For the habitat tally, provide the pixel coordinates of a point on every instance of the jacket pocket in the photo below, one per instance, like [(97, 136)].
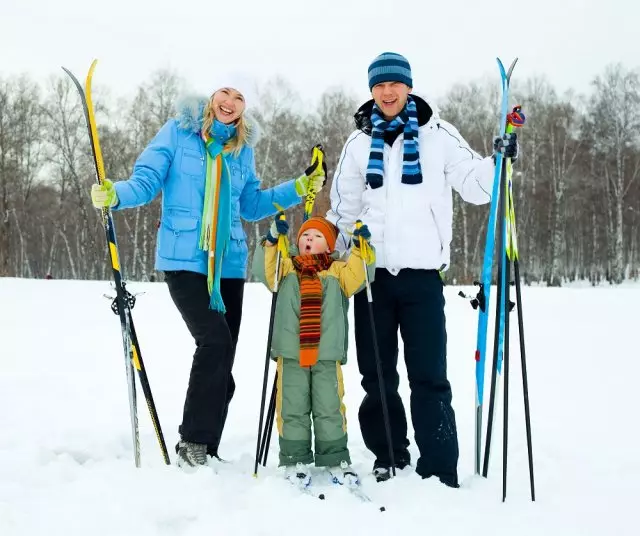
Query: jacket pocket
[(237, 176), (238, 249), (192, 163), (179, 238)]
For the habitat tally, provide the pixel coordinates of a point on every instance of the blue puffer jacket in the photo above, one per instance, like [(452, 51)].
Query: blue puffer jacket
[(174, 162)]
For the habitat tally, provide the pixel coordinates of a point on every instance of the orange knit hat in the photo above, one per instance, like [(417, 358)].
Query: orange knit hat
[(328, 230)]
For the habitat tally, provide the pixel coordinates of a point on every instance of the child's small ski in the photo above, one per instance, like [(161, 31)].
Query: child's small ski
[(357, 491), (313, 493), (301, 480), (308, 490)]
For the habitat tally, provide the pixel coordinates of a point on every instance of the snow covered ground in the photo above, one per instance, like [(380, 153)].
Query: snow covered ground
[(65, 449)]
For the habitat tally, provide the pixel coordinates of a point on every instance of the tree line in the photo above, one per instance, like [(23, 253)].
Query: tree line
[(576, 194)]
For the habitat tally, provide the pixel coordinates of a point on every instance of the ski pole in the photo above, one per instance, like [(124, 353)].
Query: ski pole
[(517, 119), (266, 436), (367, 255), (282, 246)]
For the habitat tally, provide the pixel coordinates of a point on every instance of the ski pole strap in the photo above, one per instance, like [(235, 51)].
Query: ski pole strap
[(316, 154), (515, 119), (512, 240)]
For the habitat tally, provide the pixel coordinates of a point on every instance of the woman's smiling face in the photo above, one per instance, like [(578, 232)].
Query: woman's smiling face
[(228, 105)]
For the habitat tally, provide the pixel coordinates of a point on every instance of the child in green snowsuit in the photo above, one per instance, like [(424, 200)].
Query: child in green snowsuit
[(310, 343)]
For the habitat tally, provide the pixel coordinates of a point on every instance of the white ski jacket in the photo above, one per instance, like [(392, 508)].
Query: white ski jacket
[(410, 224)]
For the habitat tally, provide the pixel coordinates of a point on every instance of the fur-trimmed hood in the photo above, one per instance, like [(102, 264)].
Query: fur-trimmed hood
[(190, 108)]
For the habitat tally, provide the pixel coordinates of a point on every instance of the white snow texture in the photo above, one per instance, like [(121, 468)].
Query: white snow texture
[(66, 463)]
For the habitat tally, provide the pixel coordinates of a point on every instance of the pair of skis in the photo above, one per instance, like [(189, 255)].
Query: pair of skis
[(502, 212), (124, 301), (355, 491)]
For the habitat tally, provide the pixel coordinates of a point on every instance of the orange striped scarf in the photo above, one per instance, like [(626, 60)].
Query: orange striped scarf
[(308, 267)]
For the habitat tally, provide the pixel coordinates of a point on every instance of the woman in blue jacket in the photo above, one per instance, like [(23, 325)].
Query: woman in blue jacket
[(203, 162)]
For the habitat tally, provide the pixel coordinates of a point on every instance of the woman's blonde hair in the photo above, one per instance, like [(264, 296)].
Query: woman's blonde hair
[(235, 144)]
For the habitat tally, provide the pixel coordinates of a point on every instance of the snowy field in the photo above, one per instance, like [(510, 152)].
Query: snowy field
[(66, 464)]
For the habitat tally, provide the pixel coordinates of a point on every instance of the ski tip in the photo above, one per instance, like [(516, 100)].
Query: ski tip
[(506, 73), (511, 67), (503, 73), (90, 73)]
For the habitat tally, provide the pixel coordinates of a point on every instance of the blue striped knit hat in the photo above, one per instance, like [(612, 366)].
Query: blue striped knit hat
[(390, 67)]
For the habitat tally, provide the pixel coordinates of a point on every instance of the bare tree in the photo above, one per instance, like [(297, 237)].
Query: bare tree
[(473, 109), (554, 134), (331, 125), (614, 123), (70, 161), (575, 183), (152, 106), (20, 161), (7, 176)]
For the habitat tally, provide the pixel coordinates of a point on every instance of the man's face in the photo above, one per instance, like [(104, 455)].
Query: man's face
[(390, 98)]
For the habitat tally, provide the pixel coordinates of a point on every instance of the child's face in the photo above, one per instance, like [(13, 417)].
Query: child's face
[(312, 242)]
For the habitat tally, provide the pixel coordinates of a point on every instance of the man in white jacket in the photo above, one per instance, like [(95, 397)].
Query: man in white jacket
[(396, 173)]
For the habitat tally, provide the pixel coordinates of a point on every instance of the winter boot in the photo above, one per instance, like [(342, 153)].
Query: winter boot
[(344, 475), (382, 471), (298, 475), (382, 474), (191, 455)]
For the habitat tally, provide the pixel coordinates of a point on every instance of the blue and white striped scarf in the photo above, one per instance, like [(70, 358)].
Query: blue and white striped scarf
[(411, 172)]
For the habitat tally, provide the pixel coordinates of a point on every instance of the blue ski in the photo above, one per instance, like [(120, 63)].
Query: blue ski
[(483, 297)]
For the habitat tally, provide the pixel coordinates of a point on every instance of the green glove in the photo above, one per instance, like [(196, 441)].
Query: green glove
[(104, 195), (313, 179)]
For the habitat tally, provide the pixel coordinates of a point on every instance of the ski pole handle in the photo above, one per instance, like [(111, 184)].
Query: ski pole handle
[(365, 252), (283, 249), (515, 119), (310, 199)]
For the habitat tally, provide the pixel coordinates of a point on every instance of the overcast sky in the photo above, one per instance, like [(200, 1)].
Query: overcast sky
[(317, 44)]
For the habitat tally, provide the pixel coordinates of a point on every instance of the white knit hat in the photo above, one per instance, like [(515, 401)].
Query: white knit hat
[(241, 82)]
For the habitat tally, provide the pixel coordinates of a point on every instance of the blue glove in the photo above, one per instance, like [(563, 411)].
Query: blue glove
[(361, 232), (278, 227), (507, 145)]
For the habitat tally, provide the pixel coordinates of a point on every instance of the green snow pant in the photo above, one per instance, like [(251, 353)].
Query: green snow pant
[(303, 392)]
